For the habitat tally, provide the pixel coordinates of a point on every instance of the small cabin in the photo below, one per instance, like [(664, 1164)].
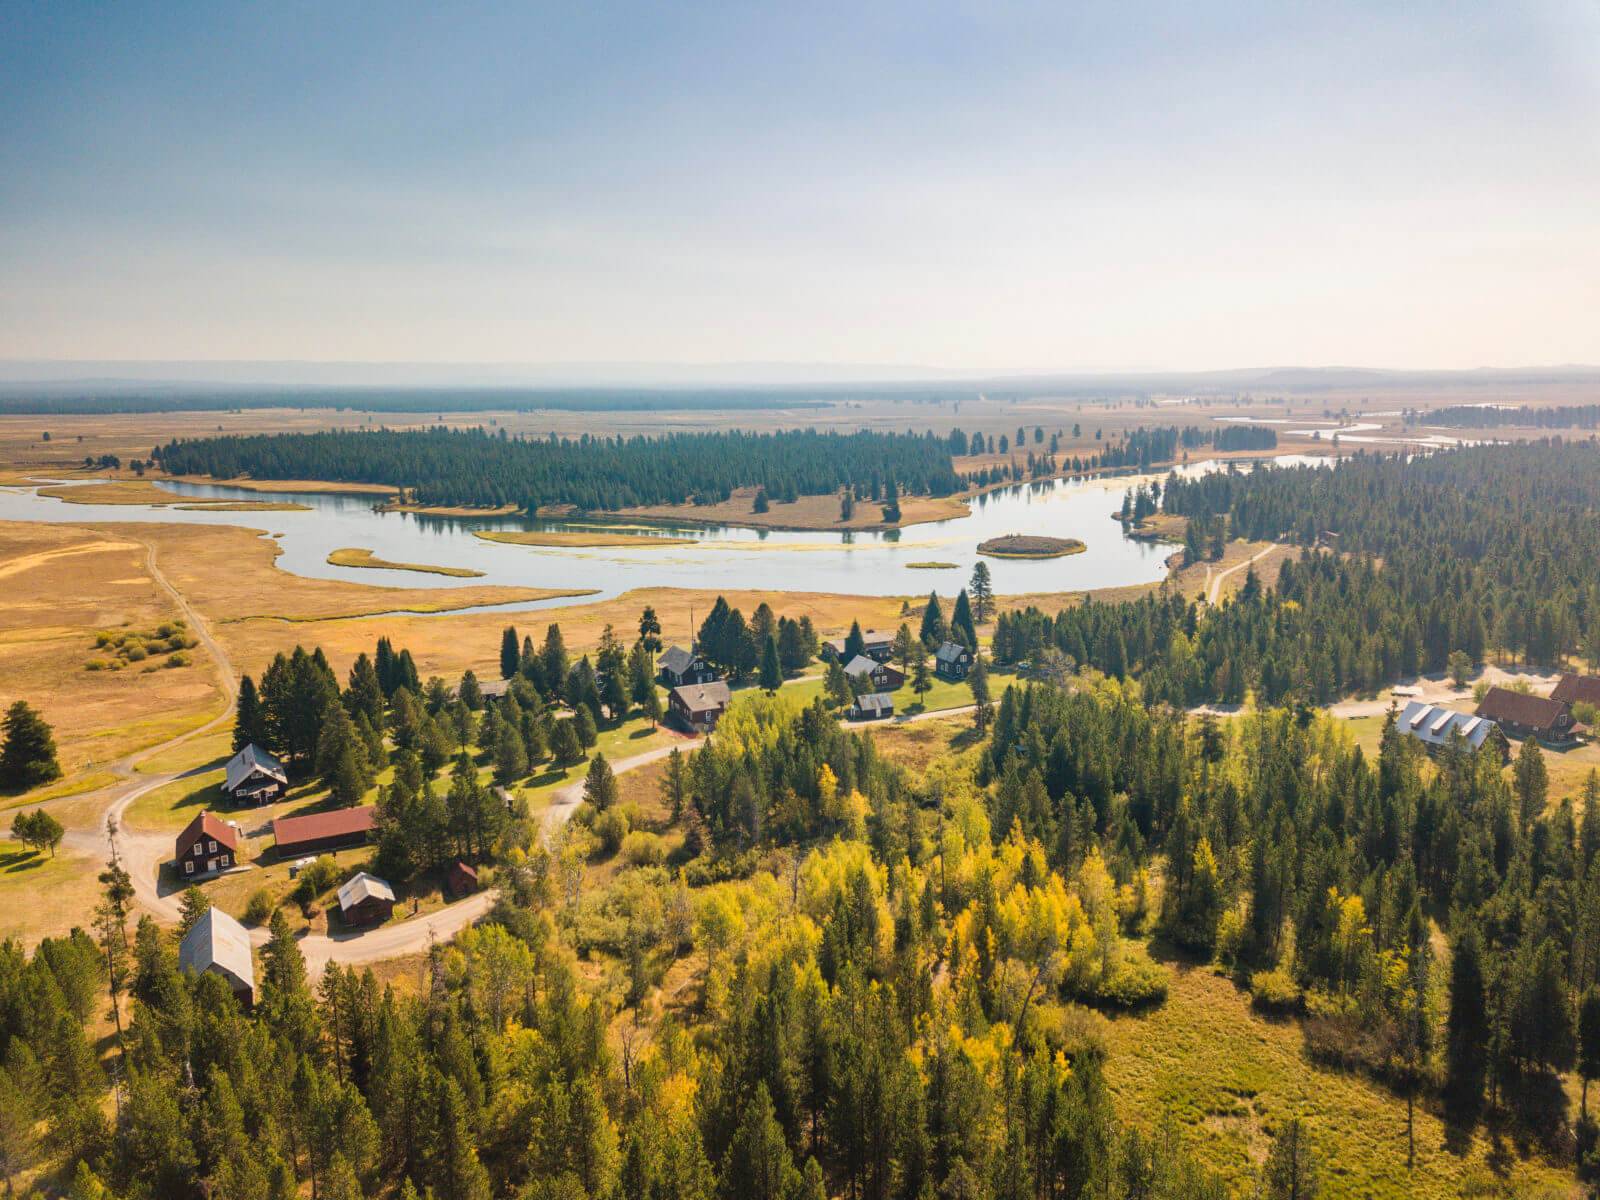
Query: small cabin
[(952, 660), (207, 846), (875, 644), (699, 706), (881, 676), (365, 900), (1578, 689), (678, 667), (254, 777), (873, 706), (461, 879), (219, 944)]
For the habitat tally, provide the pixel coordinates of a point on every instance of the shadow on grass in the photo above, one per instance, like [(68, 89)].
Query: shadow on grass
[(21, 860)]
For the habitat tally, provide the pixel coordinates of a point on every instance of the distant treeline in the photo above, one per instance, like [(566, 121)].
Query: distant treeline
[(1490, 549), (1246, 437), (474, 467), (1472, 416)]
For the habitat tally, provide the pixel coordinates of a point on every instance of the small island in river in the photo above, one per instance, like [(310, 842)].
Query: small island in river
[(1029, 545)]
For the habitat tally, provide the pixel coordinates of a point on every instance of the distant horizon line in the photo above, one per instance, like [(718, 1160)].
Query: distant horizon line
[(356, 375)]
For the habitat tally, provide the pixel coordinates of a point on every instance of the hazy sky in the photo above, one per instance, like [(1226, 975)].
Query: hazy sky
[(981, 185)]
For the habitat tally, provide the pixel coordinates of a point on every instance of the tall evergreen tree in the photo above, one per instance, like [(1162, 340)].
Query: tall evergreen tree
[(27, 750), (510, 652), (247, 716)]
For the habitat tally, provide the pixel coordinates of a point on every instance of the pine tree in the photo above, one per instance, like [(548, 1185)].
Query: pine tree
[(510, 652), (28, 752), (650, 631), (600, 785), (921, 682), (194, 905), (961, 627), (675, 784), (564, 744), (1588, 1043), (771, 669), (855, 643), (933, 627), (1531, 781), (511, 754), (982, 589), (247, 716), (1291, 1168)]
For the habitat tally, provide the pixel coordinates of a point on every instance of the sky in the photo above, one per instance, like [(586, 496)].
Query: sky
[(982, 186)]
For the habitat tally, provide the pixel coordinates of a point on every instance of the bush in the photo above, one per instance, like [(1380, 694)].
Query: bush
[(259, 910), (315, 879), (177, 660), (644, 849), (1230, 937), (1274, 991), (1586, 713), (135, 652), (611, 827), (1134, 982)]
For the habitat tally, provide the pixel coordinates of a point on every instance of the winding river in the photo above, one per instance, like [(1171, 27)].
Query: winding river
[(728, 557)]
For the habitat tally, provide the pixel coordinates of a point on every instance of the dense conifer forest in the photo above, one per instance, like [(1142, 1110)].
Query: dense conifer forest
[(1492, 416), (1490, 550), (475, 467)]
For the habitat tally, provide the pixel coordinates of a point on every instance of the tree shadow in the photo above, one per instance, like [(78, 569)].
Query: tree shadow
[(21, 860)]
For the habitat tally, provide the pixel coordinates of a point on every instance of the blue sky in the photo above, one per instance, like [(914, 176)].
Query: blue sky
[(987, 186)]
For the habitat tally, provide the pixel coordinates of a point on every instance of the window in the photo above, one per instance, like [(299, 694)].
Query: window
[(198, 849), (188, 868), (223, 861), (212, 847)]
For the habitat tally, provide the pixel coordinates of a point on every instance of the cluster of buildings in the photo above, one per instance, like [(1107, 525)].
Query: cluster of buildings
[(1504, 713)]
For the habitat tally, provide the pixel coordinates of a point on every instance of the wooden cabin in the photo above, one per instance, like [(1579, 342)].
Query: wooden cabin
[(460, 880), (208, 845), (365, 900), (254, 777), (952, 661), (678, 667), (873, 706), (699, 706), (1522, 714), (881, 676), (219, 944)]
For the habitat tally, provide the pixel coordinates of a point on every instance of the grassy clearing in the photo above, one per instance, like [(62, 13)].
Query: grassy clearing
[(214, 748), (1230, 1077), (352, 556), (932, 566), (591, 538), (805, 513), (41, 896)]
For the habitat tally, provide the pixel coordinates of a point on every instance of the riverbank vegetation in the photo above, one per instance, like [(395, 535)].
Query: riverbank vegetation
[(590, 538), (355, 557), (1025, 545)]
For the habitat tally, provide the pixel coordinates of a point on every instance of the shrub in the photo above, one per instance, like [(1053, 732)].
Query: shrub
[(1134, 982), (611, 827), (1230, 937), (1586, 713), (135, 652), (177, 660), (1274, 991), (644, 849), (316, 878), (259, 910)]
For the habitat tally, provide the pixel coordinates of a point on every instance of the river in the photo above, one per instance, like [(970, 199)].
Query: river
[(721, 557)]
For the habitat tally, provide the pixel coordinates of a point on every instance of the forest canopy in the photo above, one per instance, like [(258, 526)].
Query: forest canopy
[(475, 467)]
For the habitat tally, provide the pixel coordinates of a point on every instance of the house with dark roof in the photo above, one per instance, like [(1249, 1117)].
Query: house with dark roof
[(365, 900), (219, 944), (1578, 689), (254, 777), (1522, 714), (699, 706), (875, 644), (677, 667), (321, 831), (207, 846), (1433, 725), (881, 676), (872, 706), (952, 660)]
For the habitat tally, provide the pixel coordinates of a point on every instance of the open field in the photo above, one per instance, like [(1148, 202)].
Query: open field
[(355, 557), (1231, 1077), (590, 538), (63, 584), (44, 895)]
